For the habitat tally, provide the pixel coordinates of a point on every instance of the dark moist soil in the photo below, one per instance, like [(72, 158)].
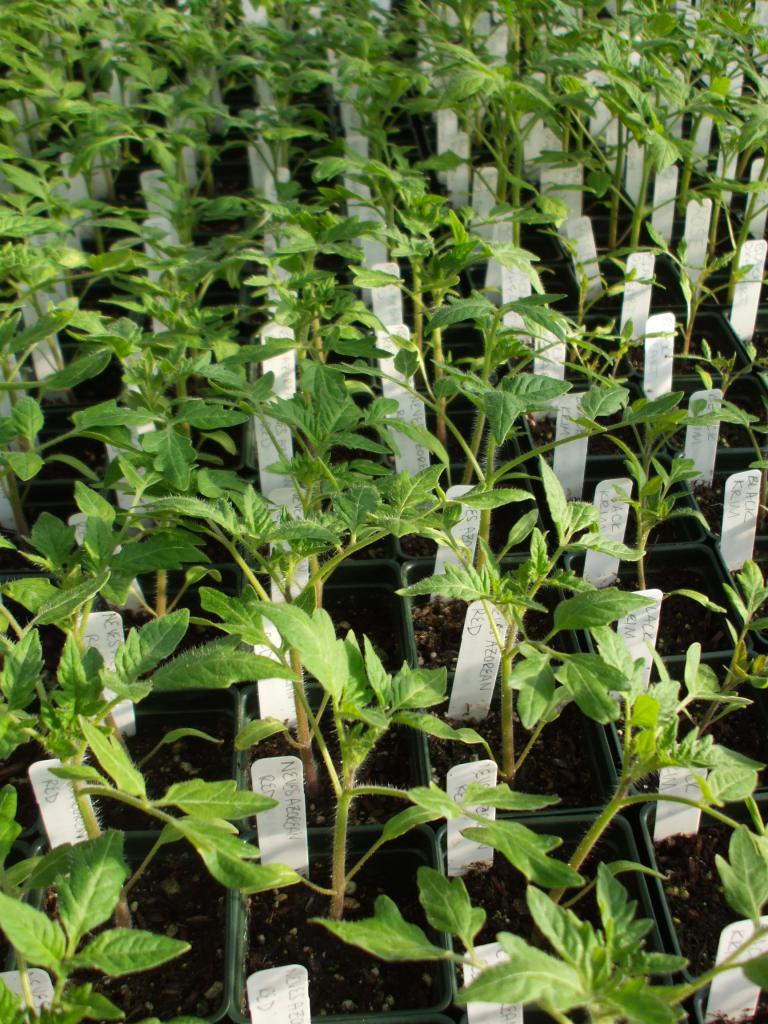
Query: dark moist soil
[(543, 432), (683, 621), (369, 611), (759, 1017), (559, 762), (178, 898), (343, 979), (438, 627), (709, 498), (694, 893), (389, 764), (186, 759)]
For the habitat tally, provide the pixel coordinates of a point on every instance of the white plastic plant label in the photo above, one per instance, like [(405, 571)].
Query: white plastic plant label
[(727, 169), (698, 214), (701, 441), (746, 294), (287, 498), (464, 532), (463, 852), (260, 166), (633, 170), (600, 569), (274, 439), (664, 196), (672, 818), (514, 285), (279, 996), (641, 628), (283, 829), (387, 299), (393, 379), (659, 354), (254, 14), (485, 183), (603, 125), (570, 458), (105, 632), (40, 985), (7, 516), (61, 816), (276, 696), (636, 303), (549, 360), (411, 457), (565, 184), (741, 505), (447, 130), (539, 139), (154, 191), (478, 663), (47, 357), (490, 1013), (502, 234), (759, 200), (732, 996), (579, 232), (457, 179)]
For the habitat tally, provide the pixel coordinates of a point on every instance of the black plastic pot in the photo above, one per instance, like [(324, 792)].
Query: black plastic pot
[(399, 860)]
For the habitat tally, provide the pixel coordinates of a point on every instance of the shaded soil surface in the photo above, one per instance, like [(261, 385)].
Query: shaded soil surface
[(342, 978), (372, 611), (193, 983), (185, 759), (692, 887), (438, 627), (561, 762), (391, 763), (683, 621), (709, 498)]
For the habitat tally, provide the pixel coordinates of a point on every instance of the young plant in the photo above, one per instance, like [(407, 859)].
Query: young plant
[(360, 703)]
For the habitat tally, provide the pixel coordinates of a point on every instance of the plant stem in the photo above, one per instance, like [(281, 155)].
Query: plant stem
[(339, 863), (303, 734), (507, 720)]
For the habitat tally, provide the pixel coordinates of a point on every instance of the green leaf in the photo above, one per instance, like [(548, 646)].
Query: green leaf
[(122, 951), (25, 465), (32, 933), (216, 666), (258, 730), (433, 726), (228, 858), (90, 891), (146, 647), (114, 760), (27, 418), (745, 874), (461, 311), (597, 608), (496, 498), (214, 799), (386, 935), (11, 1011), (447, 905), (527, 851), (557, 502), (92, 504), (66, 601), (314, 637), (402, 822), (174, 455), (757, 971), (22, 671), (590, 681), (530, 976)]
